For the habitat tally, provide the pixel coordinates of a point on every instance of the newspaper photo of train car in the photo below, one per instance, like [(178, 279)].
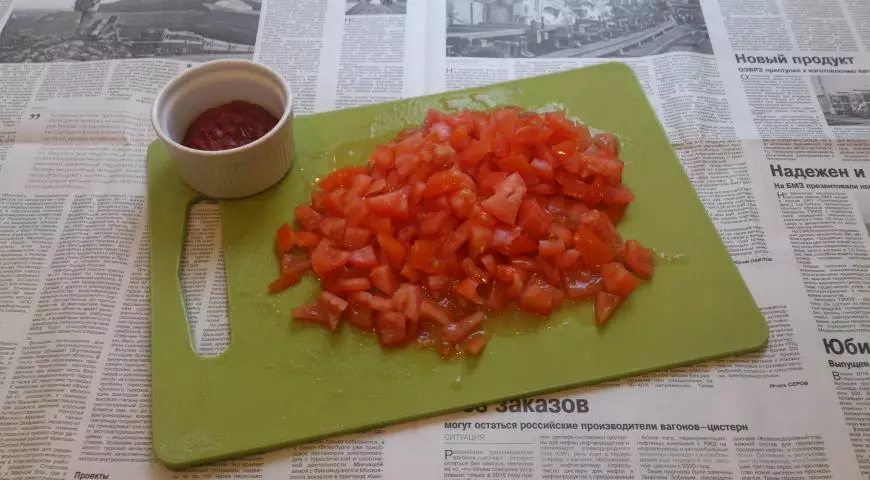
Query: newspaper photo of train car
[(574, 28), (67, 30)]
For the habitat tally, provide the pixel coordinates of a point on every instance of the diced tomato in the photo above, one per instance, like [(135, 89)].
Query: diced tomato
[(582, 285), (325, 258), (364, 257), (381, 304), (551, 248), (355, 238), (360, 315), (285, 239), (333, 202), (437, 283), (307, 218), (618, 280), (606, 143), (409, 273), (519, 245), (461, 202), (593, 249), (540, 297), (357, 284), (475, 151), (340, 178), (434, 222), (453, 241), (442, 183), (479, 238), (639, 259), (568, 260), (307, 239), (467, 288), (384, 279), (617, 195), (382, 157), (455, 332), (470, 210), (333, 229), (605, 305), (472, 270), (424, 256), (476, 344), (308, 313), (393, 204), (294, 264), (534, 219), (601, 225), (394, 249), (390, 327), (505, 203), (489, 263), (407, 299), (331, 308)]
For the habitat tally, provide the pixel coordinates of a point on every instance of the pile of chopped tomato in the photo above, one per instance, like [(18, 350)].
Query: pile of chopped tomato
[(466, 214)]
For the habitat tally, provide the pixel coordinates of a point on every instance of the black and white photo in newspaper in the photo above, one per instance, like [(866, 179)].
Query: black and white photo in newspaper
[(574, 28), (81, 30)]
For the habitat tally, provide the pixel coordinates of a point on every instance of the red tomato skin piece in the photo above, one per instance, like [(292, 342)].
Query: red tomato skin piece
[(605, 304), (340, 178)]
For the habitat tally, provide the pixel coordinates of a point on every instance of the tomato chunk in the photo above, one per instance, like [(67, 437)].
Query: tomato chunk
[(639, 259), (605, 305), (618, 280)]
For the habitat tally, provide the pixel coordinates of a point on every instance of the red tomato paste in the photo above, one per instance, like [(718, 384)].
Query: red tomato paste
[(229, 126)]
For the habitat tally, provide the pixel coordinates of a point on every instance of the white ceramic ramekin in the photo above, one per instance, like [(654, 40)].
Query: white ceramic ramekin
[(237, 172)]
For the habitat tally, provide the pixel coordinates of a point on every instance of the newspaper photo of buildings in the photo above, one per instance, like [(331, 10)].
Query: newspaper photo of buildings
[(574, 28), (376, 7), (845, 99), (70, 30)]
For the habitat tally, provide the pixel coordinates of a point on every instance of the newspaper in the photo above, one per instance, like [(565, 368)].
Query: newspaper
[(765, 102)]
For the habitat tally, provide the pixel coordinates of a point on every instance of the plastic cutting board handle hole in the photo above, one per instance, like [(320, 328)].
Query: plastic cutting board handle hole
[(202, 276)]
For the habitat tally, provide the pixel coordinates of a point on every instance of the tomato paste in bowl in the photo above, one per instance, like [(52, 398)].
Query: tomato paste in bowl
[(227, 126)]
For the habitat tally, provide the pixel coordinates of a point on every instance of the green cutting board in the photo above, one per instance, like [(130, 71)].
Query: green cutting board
[(281, 382)]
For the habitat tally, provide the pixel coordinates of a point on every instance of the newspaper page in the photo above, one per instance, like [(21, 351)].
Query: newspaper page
[(763, 100)]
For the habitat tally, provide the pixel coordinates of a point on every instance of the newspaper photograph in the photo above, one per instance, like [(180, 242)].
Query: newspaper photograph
[(574, 28), (844, 99), (376, 7), (82, 30)]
